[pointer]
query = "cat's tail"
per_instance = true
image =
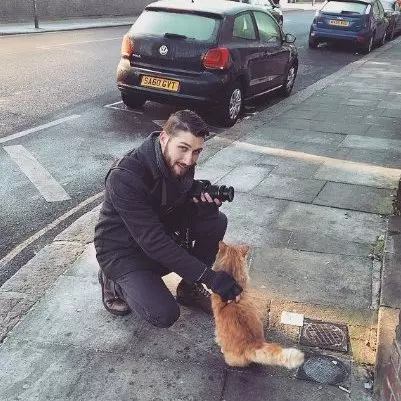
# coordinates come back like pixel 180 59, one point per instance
pixel 274 354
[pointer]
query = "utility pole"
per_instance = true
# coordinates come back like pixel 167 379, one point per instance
pixel 35 14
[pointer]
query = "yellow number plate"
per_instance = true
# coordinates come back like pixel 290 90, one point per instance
pixel 338 23
pixel 160 83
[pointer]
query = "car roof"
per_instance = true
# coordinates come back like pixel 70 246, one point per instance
pixel 219 7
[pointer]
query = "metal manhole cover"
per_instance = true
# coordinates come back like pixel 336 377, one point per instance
pixel 315 333
pixel 323 369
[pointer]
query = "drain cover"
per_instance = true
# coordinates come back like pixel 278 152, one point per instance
pixel 315 333
pixel 323 369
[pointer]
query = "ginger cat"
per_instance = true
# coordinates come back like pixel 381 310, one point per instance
pixel 239 329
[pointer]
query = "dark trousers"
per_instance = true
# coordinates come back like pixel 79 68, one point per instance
pixel 144 289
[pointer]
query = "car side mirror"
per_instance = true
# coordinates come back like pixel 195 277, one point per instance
pixel 388 13
pixel 289 38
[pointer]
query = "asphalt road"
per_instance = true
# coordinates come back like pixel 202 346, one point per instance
pixel 62 124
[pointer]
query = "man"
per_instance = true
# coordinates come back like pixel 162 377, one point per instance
pixel 146 204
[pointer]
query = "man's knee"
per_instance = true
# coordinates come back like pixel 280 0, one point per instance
pixel 164 319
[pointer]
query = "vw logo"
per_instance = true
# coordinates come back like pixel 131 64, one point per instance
pixel 163 50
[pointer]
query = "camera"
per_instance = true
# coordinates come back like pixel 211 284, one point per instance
pixel 222 192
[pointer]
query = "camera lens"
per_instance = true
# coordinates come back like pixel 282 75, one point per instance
pixel 226 193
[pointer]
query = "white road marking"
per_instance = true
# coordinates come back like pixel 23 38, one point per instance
pixel 77 43
pixel 18 249
pixel 39 128
pixel 49 188
pixel 160 123
pixel 121 107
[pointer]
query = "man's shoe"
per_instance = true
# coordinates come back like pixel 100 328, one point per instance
pixel 195 295
pixel 111 301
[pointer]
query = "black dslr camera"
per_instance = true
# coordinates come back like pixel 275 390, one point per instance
pixel 222 192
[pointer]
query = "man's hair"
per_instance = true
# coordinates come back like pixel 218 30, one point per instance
pixel 186 120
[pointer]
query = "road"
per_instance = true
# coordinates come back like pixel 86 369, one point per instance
pixel 62 124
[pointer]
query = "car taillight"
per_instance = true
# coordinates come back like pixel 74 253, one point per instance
pixel 217 59
pixel 318 17
pixel 366 21
pixel 127 47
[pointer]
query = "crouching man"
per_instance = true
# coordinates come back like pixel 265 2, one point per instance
pixel 146 204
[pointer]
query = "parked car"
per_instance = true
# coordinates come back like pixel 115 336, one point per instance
pixel 209 54
pixel 273 8
pixel 361 22
pixel 392 12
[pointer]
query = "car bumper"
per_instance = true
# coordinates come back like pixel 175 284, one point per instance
pixel 203 89
pixel 322 34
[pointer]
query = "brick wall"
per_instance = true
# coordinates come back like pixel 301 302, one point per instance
pixel 392 381
pixel 22 10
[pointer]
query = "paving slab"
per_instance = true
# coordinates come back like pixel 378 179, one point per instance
pixel 245 178
pixel 358 141
pixel 323 279
pixel 358 173
pixel 356 197
pixel 387 159
pixel 291 188
pixel 344 224
pixel 295 133
pixel 251 218
pixel 303 241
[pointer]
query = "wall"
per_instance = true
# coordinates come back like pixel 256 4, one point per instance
pixel 22 10
pixel 392 382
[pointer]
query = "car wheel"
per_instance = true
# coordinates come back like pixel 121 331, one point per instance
pixel 133 101
pixel 383 39
pixel 289 80
pixel 368 47
pixel 313 43
pixel 231 108
pixel 390 35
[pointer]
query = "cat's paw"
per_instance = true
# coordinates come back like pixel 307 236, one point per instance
pixel 293 358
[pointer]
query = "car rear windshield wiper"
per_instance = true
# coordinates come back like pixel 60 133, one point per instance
pixel 174 36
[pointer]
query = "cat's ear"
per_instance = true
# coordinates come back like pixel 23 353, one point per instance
pixel 244 249
pixel 222 246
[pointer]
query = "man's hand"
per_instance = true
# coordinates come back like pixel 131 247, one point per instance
pixel 223 284
pixel 205 197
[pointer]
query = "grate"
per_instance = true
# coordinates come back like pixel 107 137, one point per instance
pixel 333 336
pixel 323 369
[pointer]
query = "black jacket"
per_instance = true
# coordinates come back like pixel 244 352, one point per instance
pixel 132 218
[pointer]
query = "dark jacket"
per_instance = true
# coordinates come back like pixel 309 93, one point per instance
pixel 132 219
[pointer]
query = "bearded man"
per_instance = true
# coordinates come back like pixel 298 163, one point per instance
pixel 145 208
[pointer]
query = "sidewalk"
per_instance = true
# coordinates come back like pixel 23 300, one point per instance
pixel 315 177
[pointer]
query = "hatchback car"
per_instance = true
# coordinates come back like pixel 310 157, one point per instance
pixel 361 22
pixel 208 54
pixel 392 12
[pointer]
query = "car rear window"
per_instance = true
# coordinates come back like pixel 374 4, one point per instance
pixel 344 7
pixel 192 26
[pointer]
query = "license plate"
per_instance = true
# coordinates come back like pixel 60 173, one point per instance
pixel 338 23
pixel 160 83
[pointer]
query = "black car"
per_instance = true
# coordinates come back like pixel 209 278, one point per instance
pixel 393 14
pixel 201 53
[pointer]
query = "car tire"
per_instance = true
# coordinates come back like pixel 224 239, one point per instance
pixel 289 80
pixel 313 43
pixel 390 35
pixel 133 101
pixel 383 39
pixel 230 110
pixel 369 46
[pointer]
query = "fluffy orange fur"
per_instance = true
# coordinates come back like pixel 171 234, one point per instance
pixel 239 328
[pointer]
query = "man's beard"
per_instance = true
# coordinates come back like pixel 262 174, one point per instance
pixel 171 164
